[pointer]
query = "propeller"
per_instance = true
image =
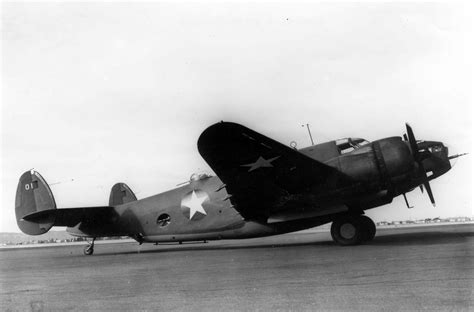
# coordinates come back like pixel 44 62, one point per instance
pixel 410 137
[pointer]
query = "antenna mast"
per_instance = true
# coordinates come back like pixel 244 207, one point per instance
pixel 309 132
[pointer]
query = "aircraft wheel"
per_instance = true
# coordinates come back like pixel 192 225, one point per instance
pixel 368 227
pixel 347 231
pixel 88 250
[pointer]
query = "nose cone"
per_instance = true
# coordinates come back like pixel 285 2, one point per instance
pixel 435 158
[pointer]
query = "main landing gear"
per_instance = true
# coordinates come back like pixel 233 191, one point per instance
pixel 89 249
pixel 352 230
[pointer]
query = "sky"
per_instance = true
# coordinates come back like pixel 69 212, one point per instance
pixel 95 93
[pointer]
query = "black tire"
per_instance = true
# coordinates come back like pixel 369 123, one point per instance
pixel 368 228
pixel 347 231
pixel 88 250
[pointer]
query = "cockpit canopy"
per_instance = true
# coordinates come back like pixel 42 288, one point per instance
pixel 199 176
pixel 347 145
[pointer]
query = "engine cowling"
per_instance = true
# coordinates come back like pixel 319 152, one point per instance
pixel 385 163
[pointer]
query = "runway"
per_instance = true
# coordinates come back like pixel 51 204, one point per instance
pixel 419 268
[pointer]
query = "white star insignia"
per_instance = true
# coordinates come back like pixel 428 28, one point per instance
pixel 260 163
pixel 194 203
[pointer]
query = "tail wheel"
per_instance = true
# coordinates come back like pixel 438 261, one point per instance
pixel 88 250
pixel 347 231
pixel 368 228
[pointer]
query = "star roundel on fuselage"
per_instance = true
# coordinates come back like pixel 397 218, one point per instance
pixel 192 204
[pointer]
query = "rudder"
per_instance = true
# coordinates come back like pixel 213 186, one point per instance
pixel 33 195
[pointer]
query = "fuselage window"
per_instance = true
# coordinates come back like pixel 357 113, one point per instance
pixel 163 220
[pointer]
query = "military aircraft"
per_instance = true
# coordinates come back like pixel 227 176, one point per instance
pixel 262 188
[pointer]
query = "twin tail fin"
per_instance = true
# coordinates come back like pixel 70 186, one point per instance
pixel 33 195
pixel 36 211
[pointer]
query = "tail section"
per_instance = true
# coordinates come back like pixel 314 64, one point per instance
pixel 121 194
pixel 33 195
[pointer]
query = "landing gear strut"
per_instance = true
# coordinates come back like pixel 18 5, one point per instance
pixel 89 249
pixel 352 230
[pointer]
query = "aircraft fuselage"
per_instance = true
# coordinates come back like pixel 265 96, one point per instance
pixel 167 217
pixel 203 209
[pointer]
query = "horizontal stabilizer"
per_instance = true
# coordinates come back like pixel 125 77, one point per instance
pixel 73 216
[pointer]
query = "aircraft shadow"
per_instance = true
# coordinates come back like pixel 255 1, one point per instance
pixel 204 247
pixel 401 239
pixel 422 238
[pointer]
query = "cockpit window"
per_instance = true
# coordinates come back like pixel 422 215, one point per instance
pixel 435 148
pixel 348 145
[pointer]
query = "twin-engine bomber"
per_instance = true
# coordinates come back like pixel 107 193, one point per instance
pixel 262 188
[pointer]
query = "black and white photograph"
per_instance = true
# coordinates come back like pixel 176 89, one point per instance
pixel 237 156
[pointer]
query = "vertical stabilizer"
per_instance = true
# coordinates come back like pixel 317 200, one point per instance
pixel 121 194
pixel 33 195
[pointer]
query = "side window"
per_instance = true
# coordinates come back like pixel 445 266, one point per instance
pixel 163 220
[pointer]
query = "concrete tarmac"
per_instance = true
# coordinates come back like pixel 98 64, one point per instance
pixel 404 269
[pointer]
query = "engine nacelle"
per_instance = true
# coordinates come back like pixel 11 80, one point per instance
pixel 385 163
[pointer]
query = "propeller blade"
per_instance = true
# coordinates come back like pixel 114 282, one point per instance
pixel 419 160
pixel 430 193
pixel 426 183
pixel 412 141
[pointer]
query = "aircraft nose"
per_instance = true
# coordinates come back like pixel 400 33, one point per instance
pixel 435 157
pixel 437 149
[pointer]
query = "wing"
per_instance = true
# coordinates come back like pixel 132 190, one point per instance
pixel 100 216
pixel 262 175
